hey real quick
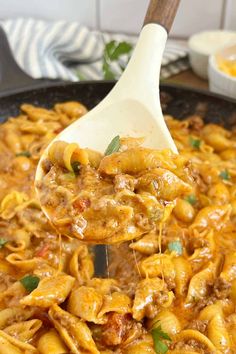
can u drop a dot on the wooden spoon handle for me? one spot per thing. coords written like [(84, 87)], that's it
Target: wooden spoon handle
[(161, 12)]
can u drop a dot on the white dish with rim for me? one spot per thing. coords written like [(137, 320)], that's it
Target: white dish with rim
[(203, 44), (219, 81)]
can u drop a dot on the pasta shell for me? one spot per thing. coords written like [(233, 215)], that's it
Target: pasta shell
[(86, 302), (51, 343), (50, 290), (135, 160), (81, 264), (183, 273), (158, 265), (148, 244), (14, 314), (142, 345), (24, 331), (74, 332), (218, 333), (10, 202), (11, 345), (146, 291), (168, 321), (189, 334), (200, 282), (229, 268)]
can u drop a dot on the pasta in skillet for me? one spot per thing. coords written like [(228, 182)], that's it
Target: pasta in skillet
[(172, 283)]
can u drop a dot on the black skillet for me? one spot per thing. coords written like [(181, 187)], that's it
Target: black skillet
[(16, 88)]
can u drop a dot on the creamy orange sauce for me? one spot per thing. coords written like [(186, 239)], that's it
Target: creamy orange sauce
[(186, 284)]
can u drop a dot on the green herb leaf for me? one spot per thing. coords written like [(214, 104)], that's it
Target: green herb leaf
[(76, 166), (120, 49), (191, 199), (114, 146), (30, 282), (112, 52), (24, 153), (2, 242), (114, 49), (225, 175), (109, 48), (107, 71), (158, 335), (160, 347), (175, 246), (195, 143)]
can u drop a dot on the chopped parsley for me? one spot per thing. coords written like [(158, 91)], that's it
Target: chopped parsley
[(24, 153), (30, 282), (225, 175), (191, 199), (158, 335), (76, 166), (2, 242), (175, 246), (195, 143), (114, 146)]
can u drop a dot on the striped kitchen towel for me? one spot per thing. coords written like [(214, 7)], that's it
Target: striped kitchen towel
[(70, 51)]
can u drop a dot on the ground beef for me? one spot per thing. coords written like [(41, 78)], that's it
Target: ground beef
[(196, 123), (124, 181), (46, 165), (198, 325), (118, 329), (204, 302), (115, 330), (191, 345), (221, 288)]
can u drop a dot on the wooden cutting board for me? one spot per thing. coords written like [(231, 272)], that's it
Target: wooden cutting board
[(188, 78)]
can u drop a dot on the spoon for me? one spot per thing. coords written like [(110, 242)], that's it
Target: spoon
[(132, 108)]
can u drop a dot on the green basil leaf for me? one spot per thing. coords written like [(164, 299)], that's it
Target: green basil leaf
[(2, 242), (225, 175), (30, 282), (76, 166), (114, 146), (195, 143), (24, 153), (191, 199), (175, 246)]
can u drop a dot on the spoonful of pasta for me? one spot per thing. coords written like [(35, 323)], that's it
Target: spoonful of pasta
[(116, 197)]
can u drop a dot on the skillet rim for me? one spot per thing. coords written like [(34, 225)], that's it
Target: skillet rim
[(12, 92)]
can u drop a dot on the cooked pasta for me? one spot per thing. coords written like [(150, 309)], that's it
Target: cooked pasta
[(172, 274), (89, 204)]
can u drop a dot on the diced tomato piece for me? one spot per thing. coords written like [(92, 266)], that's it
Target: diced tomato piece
[(81, 204), (42, 251)]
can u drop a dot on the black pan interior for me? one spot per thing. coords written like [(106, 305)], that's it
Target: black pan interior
[(176, 100)]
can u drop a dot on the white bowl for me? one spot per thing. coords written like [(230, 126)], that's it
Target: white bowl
[(203, 44), (219, 81)]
